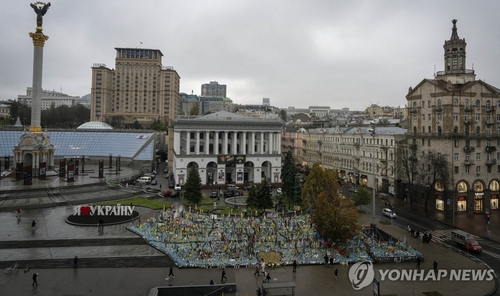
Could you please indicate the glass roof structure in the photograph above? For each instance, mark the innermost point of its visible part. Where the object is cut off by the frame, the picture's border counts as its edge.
(95, 125)
(133, 145)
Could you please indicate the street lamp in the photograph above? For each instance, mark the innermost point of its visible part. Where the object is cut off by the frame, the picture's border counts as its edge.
(372, 133)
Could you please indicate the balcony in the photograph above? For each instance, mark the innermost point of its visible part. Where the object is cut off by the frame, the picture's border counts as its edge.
(467, 122)
(490, 123)
(490, 109)
(413, 147)
(467, 109)
(490, 149)
(438, 109)
(414, 110)
(468, 149)
(468, 163)
(356, 145)
(491, 162)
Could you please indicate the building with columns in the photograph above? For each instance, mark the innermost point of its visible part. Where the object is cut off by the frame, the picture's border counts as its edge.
(458, 116)
(226, 148)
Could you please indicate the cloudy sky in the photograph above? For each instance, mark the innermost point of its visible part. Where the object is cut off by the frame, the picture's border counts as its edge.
(297, 53)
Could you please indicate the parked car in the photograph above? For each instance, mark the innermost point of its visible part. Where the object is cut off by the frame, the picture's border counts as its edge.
(144, 180)
(154, 182)
(166, 193)
(249, 187)
(231, 193)
(389, 213)
(171, 184)
(177, 187)
(214, 194)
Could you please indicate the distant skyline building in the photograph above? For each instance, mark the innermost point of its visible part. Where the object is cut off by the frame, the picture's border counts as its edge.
(139, 88)
(213, 89)
(266, 102)
(48, 97)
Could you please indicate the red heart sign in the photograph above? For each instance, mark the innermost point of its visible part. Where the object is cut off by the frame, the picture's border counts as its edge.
(85, 210)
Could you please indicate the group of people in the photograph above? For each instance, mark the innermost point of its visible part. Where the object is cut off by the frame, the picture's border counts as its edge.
(426, 237)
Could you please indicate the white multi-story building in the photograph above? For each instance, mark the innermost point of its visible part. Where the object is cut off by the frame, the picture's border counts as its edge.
(226, 148)
(49, 98)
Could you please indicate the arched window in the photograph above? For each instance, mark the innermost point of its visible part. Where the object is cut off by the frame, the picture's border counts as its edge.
(494, 186)
(462, 186)
(438, 186)
(488, 104)
(478, 104)
(466, 104)
(455, 102)
(478, 186)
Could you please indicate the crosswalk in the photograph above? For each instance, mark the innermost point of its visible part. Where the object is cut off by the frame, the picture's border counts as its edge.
(441, 235)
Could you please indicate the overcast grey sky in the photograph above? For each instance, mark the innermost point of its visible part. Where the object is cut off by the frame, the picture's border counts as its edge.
(297, 53)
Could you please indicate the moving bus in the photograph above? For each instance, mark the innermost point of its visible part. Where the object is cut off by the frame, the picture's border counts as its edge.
(466, 240)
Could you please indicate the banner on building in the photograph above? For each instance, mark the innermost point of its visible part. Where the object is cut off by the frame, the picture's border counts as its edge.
(231, 159)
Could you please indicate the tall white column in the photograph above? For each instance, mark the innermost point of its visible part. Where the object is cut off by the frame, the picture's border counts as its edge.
(224, 148)
(244, 143)
(216, 143)
(235, 143)
(207, 143)
(188, 142)
(197, 148)
(252, 143)
(177, 143)
(271, 143)
(279, 144)
(261, 142)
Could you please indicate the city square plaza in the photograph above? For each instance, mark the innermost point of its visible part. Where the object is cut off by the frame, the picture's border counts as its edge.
(106, 273)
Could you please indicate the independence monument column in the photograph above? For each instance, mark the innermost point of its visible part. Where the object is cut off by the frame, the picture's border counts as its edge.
(35, 154)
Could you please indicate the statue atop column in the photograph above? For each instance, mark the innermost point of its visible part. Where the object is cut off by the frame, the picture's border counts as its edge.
(40, 8)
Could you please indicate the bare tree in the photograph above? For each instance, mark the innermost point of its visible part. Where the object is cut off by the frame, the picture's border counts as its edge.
(435, 168)
(407, 168)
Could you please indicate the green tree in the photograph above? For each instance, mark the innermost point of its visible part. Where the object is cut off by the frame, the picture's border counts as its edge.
(264, 196)
(407, 163)
(283, 114)
(335, 217)
(361, 197)
(192, 187)
(289, 176)
(318, 180)
(252, 198)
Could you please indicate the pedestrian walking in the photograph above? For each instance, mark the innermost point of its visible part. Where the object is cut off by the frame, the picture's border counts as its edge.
(19, 213)
(35, 278)
(435, 264)
(223, 276)
(336, 273)
(268, 277)
(294, 265)
(75, 262)
(257, 269)
(170, 273)
(33, 224)
(418, 262)
(326, 259)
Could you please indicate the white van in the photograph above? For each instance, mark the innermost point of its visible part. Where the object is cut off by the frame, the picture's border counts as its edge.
(232, 187)
(144, 180)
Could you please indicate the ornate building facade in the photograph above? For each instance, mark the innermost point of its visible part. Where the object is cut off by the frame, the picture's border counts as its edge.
(458, 116)
(226, 148)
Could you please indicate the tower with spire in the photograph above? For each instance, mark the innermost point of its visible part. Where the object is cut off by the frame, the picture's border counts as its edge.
(454, 60)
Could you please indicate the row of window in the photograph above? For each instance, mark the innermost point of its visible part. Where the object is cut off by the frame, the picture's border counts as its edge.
(455, 104)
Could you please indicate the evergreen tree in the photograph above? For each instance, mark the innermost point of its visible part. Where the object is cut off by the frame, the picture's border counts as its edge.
(264, 196)
(361, 197)
(252, 198)
(192, 187)
(288, 175)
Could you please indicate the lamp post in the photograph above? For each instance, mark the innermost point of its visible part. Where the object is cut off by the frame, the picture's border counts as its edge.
(372, 132)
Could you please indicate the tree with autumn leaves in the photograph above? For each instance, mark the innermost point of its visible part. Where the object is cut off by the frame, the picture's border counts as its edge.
(333, 216)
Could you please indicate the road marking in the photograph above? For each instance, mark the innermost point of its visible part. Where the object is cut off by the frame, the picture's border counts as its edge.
(496, 256)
